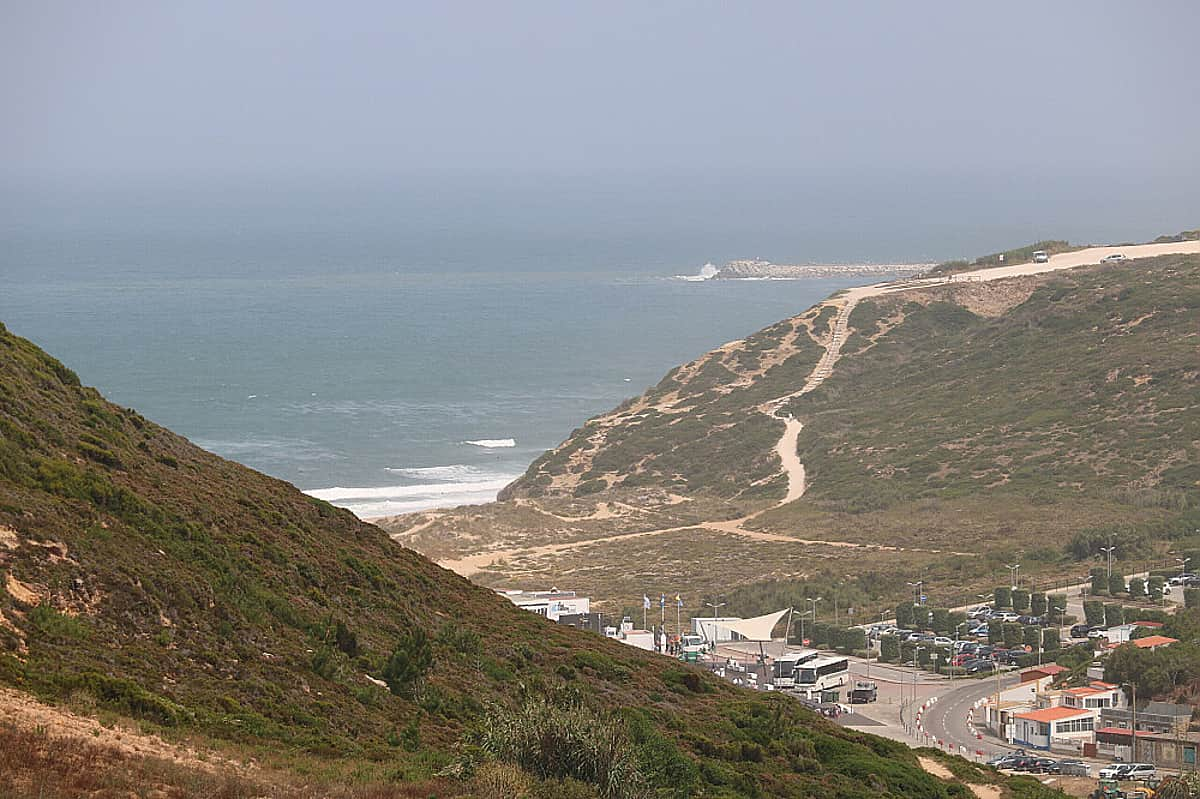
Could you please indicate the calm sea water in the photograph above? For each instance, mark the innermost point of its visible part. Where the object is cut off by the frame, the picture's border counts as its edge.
(403, 347)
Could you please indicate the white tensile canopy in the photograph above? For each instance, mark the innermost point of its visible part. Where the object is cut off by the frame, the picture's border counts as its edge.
(757, 629)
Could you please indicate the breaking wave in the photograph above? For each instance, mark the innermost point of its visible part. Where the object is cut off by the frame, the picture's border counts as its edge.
(493, 443)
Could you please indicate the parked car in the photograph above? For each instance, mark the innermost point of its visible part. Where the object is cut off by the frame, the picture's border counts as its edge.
(1074, 768)
(1141, 771)
(1003, 761)
(1097, 632)
(978, 630)
(979, 667)
(1006, 657)
(1007, 615)
(1044, 765)
(1116, 257)
(1080, 630)
(1181, 579)
(1041, 257)
(942, 640)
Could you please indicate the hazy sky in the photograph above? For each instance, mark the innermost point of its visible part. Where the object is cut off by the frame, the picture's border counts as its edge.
(155, 88)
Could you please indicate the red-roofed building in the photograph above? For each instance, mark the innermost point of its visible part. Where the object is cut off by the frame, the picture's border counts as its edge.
(1051, 670)
(1037, 729)
(1154, 641)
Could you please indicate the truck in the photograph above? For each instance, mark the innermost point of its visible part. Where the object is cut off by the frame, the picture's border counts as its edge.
(864, 691)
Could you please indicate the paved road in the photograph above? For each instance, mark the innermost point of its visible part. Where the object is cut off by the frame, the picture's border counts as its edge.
(946, 719)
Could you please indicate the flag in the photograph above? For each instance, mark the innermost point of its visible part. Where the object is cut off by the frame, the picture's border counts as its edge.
(678, 601)
(645, 602)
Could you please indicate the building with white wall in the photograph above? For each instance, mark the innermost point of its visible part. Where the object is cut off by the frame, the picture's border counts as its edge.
(551, 604)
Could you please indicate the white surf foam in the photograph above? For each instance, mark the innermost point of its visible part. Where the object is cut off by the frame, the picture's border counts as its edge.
(456, 473)
(493, 443)
(371, 501)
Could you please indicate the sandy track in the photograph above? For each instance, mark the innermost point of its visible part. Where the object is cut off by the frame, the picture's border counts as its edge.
(786, 448)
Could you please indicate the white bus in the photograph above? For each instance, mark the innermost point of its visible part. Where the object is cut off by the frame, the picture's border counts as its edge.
(821, 674)
(783, 670)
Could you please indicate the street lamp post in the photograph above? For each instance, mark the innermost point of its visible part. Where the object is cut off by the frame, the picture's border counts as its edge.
(1014, 575)
(715, 607)
(1108, 553)
(916, 587)
(814, 607)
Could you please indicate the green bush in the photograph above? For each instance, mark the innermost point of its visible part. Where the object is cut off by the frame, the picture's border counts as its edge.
(889, 648)
(1014, 634)
(904, 615)
(1038, 604)
(1057, 603)
(408, 663)
(1099, 580)
(1020, 600)
(1191, 597)
(1155, 586)
(1116, 584)
(1002, 597)
(1093, 612)
(1032, 636)
(940, 620)
(1137, 588)
(1050, 640)
(558, 743)
(1113, 615)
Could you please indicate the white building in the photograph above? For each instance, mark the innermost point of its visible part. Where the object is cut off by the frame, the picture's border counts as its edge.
(551, 604)
(1039, 729)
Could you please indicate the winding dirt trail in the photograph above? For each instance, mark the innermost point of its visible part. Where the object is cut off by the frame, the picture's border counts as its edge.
(786, 447)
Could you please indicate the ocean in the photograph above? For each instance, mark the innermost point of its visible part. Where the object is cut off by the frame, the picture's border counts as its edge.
(391, 349)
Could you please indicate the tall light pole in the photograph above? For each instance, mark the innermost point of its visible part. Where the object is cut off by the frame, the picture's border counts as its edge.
(1108, 553)
(1014, 574)
(814, 607)
(715, 606)
(802, 615)
(1183, 562)
(916, 587)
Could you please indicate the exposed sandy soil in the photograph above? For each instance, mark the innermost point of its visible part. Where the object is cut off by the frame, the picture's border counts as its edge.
(938, 770)
(25, 712)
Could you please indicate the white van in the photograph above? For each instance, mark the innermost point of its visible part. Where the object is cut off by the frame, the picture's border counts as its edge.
(1041, 257)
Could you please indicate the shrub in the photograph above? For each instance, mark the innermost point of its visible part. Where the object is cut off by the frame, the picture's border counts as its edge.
(1155, 586)
(1093, 612)
(1116, 584)
(904, 615)
(1020, 600)
(1099, 580)
(1191, 597)
(1057, 603)
(940, 620)
(1050, 640)
(1014, 634)
(408, 663)
(1032, 636)
(1038, 604)
(559, 743)
(346, 640)
(1113, 615)
(889, 648)
(1002, 597)
(1137, 587)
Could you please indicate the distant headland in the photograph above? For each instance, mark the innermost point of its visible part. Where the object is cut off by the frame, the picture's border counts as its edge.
(758, 269)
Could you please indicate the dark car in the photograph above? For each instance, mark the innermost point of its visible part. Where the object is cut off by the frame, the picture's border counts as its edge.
(985, 650)
(1080, 630)
(1006, 657)
(1024, 763)
(1044, 765)
(979, 666)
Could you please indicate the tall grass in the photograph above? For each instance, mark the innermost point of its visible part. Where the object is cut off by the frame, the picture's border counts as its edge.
(553, 742)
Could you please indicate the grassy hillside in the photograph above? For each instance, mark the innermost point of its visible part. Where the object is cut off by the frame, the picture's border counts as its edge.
(964, 427)
(147, 579)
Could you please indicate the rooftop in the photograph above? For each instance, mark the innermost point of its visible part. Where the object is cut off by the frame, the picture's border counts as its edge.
(1152, 641)
(1053, 714)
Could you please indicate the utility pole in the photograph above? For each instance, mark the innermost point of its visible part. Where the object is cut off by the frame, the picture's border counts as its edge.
(1133, 722)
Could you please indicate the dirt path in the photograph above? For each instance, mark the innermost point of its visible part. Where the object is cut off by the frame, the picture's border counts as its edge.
(786, 447)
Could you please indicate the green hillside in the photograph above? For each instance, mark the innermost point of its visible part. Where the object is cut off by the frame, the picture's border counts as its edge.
(147, 579)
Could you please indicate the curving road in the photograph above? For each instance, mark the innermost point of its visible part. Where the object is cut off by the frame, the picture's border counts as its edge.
(946, 719)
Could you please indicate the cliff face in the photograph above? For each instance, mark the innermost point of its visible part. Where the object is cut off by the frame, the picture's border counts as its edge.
(757, 269)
